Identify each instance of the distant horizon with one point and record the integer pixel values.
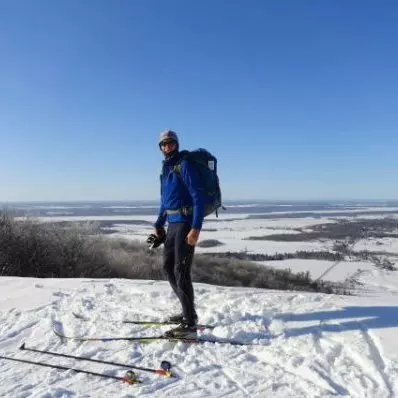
(229, 200)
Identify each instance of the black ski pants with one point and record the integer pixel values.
(177, 262)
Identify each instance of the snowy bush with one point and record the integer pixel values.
(30, 248)
(33, 249)
(209, 243)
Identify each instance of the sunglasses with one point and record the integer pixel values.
(170, 142)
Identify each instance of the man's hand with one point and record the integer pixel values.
(193, 237)
(159, 232)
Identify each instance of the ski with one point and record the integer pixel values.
(148, 323)
(152, 339)
(166, 323)
(130, 377)
(164, 371)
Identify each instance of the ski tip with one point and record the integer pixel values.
(22, 347)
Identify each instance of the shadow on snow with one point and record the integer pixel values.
(346, 319)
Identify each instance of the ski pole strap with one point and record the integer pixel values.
(184, 210)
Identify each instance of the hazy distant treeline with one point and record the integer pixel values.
(341, 230)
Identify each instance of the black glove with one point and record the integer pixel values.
(155, 241)
(152, 240)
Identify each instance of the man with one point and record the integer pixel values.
(182, 206)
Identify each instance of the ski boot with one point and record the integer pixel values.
(183, 331)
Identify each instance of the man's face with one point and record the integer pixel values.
(168, 146)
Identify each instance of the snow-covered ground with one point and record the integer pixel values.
(335, 271)
(307, 345)
(382, 244)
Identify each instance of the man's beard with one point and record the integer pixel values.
(170, 154)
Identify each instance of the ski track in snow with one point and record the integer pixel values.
(378, 360)
(301, 351)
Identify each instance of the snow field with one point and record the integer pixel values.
(308, 345)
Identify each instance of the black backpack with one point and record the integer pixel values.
(206, 164)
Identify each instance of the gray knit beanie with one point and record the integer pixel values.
(168, 135)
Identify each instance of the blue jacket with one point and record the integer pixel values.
(179, 190)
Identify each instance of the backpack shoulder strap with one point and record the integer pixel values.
(184, 155)
(177, 169)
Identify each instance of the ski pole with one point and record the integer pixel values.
(165, 365)
(129, 377)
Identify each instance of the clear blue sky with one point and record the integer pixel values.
(297, 99)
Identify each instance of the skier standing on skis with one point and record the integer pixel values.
(182, 206)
